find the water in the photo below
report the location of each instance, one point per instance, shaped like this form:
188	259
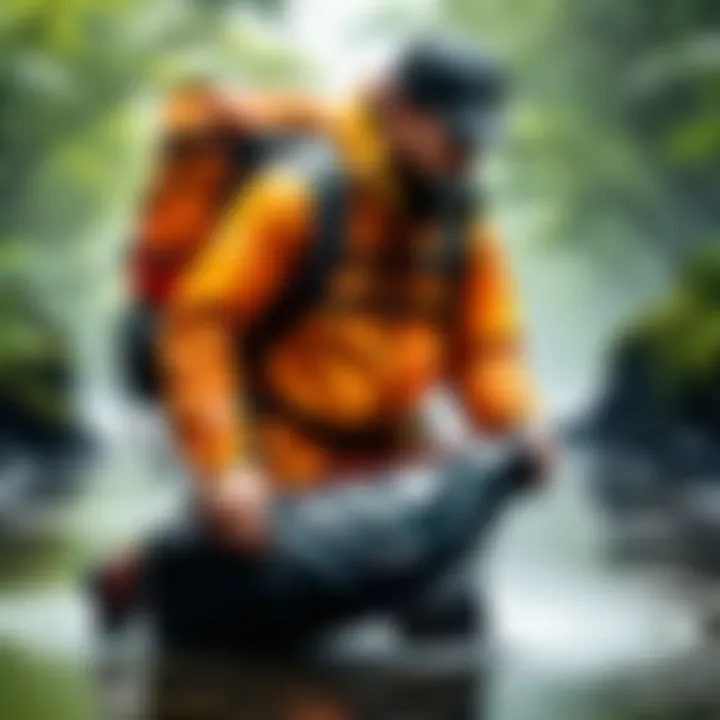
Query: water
578	637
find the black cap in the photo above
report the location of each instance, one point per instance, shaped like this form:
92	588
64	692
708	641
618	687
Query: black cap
457	81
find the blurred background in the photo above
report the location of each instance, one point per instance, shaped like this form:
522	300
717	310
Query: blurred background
605	593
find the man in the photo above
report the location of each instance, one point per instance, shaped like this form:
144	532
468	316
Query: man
344	284
412	292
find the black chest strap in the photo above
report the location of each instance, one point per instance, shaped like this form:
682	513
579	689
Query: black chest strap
307	284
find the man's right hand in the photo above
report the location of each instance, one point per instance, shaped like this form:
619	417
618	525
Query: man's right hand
237	508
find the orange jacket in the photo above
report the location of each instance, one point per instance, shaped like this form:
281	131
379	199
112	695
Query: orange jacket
348	369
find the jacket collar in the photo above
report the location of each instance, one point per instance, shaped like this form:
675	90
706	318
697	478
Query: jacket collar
356	130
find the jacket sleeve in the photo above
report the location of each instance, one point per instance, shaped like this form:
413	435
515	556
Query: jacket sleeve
489	371
230	284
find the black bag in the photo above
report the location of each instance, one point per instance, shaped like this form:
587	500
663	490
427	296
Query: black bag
349	550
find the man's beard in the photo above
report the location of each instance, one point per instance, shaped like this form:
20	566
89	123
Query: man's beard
426	198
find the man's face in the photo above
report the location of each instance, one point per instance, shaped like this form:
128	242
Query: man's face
422	143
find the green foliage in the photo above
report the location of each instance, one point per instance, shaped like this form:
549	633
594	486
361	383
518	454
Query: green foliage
36	689
36	369
67	74
680	336
618	115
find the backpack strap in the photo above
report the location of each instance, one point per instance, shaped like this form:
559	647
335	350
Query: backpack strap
459	210
307	284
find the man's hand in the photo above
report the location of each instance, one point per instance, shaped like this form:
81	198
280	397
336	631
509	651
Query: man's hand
238	509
